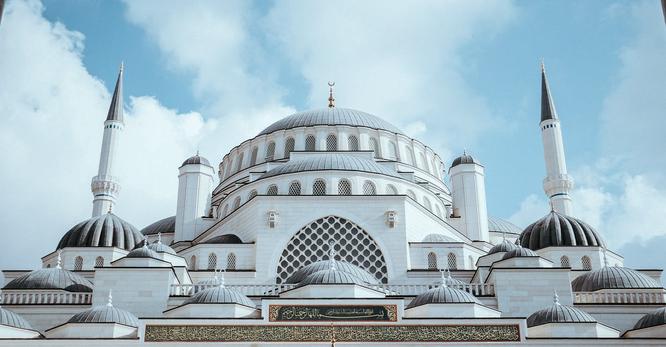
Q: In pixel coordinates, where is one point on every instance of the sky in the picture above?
(457, 75)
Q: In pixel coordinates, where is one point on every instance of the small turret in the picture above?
(195, 183)
(468, 190)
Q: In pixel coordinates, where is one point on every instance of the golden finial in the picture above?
(331, 99)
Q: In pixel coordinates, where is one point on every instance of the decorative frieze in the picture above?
(313, 313)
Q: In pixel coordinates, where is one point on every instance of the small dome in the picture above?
(142, 252)
(499, 225)
(224, 239)
(558, 313)
(332, 162)
(107, 230)
(105, 314)
(519, 252)
(219, 295)
(51, 278)
(556, 229)
(652, 319)
(613, 277)
(159, 247)
(196, 160)
(444, 295)
(12, 319)
(331, 276)
(437, 238)
(164, 226)
(352, 269)
(464, 159)
(504, 246)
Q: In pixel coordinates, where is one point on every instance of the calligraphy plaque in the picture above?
(313, 313)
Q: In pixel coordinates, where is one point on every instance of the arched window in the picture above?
(319, 187)
(289, 146)
(229, 165)
(295, 188)
(212, 261)
(427, 204)
(225, 210)
(48, 266)
(99, 262)
(564, 261)
(237, 202)
(252, 194)
(439, 211)
(331, 142)
(424, 162)
(239, 163)
(391, 190)
(411, 194)
(272, 190)
(409, 157)
(78, 263)
(453, 262)
(374, 147)
(587, 263)
(253, 157)
(393, 151)
(193, 262)
(270, 151)
(432, 261)
(231, 261)
(344, 187)
(352, 142)
(310, 143)
(369, 188)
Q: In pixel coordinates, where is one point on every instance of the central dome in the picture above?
(331, 116)
(331, 161)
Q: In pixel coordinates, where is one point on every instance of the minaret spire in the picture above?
(116, 107)
(547, 104)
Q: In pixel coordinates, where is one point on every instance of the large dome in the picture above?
(219, 295)
(107, 230)
(331, 161)
(331, 116)
(654, 318)
(51, 278)
(164, 226)
(559, 230)
(613, 277)
(499, 225)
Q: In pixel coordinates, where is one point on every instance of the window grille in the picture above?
(344, 187)
(352, 142)
(231, 261)
(310, 143)
(369, 188)
(427, 204)
(252, 194)
(391, 190)
(564, 261)
(453, 262)
(587, 263)
(432, 261)
(289, 146)
(331, 143)
(272, 190)
(212, 261)
(374, 147)
(237, 202)
(270, 151)
(295, 188)
(99, 262)
(239, 164)
(319, 187)
(253, 157)
(311, 244)
(78, 263)
(193, 262)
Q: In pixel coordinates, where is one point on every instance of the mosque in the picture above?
(332, 227)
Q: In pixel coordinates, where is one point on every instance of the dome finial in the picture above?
(331, 255)
(443, 274)
(556, 298)
(603, 249)
(159, 238)
(331, 99)
(221, 279)
(110, 300)
(110, 208)
(59, 264)
(145, 243)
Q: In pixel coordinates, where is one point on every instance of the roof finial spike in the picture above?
(443, 274)
(605, 257)
(464, 150)
(547, 105)
(556, 298)
(110, 302)
(552, 207)
(221, 278)
(159, 238)
(122, 65)
(331, 255)
(116, 107)
(59, 263)
(331, 99)
(543, 66)
(145, 243)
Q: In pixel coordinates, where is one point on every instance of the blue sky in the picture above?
(454, 74)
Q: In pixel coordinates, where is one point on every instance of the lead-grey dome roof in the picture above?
(331, 276)
(159, 247)
(12, 319)
(556, 229)
(519, 252)
(652, 319)
(444, 295)
(464, 159)
(613, 277)
(105, 314)
(331, 116)
(352, 269)
(331, 161)
(558, 313)
(196, 160)
(224, 239)
(51, 278)
(504, 246)
(219, 295)
(164, 226)
(107, 230)
(142, 252)
(500, 225)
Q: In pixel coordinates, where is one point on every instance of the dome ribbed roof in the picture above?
(219, 295)
(51, 278)
(224, 239)
(352, 269)
(331, 161)
(504, 246)
(558, 313)
(464, 159)
(613, 277)
(196, 160)
(164, 226)
(519, 252)
(444, 295)
(105, 314)
(437, 238)
(331, 276)
(142, 252)
(159, 247)
(500, 225)
(12, 319)
(559, 230)
(331, 116)
(652, 319)
(107, 230)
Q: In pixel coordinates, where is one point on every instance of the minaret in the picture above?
(195, 183)
(557, 184)
(468, 190)
(105, 186)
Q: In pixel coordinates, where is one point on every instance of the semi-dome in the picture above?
(332, 161)
(219, 295)
(464, 159)
(499, 225)
(107, 230)
(613, 277)
(51, 278)
(196, 160)
(519, 252)
(444, 295)
(142, 252)
(105, 314)
(331, 116)
(558, 313)
(331, 276)
(224, 239)
(12, 319)
(504, 246)
(652, 319)
(352, 269)
(556, 229)
(438, 238)
(163, 226)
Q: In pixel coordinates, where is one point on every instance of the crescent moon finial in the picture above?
(331, 84)
(331, 99)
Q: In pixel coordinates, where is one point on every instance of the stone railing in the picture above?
(475, 289)
(40, 297)
(619, 298)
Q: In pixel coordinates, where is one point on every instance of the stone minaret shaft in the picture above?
(557, 184)
(105, 186)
